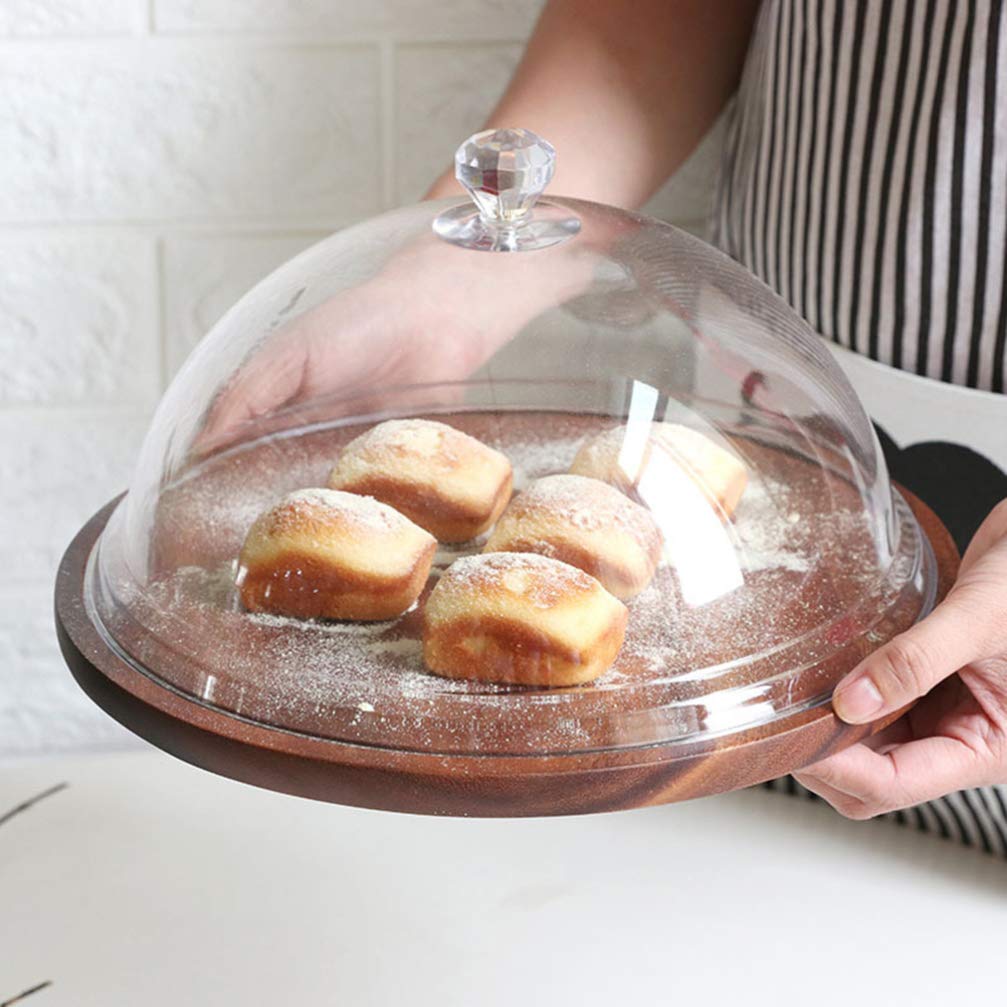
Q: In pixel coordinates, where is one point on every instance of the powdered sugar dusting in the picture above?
(540, 580)
(588, 504)
(424, 437)
(768, 532)
(534, 457)
(363, 511)
(391, 443)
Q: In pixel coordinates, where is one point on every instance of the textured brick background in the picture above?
(158, 157)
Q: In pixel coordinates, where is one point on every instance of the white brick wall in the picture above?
(73, 18)
(158, 157)
(79, 312)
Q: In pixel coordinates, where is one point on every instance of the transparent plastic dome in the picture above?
(544, 330)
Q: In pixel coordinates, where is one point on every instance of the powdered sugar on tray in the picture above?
(766, 536)
(364, 630)
(534, 457)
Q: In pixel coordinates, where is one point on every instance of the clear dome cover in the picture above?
(578, 341)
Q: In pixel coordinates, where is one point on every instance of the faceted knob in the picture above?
(505, 171)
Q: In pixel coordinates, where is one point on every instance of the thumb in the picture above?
(911, 664)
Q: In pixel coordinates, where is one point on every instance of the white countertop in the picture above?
(147, 882)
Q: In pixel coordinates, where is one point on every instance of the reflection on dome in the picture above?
(697, 544)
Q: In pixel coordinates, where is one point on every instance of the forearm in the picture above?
(624, 91)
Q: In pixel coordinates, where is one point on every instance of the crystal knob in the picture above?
(505, 171)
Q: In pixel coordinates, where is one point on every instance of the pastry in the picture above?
(521, 618)
(639, 465)
(586, 523)
(324, 554)
(447, 482)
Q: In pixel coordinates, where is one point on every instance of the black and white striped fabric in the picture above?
(865, 179)
(972, 817)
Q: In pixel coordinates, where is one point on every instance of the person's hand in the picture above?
(433, 315)
(955, 737)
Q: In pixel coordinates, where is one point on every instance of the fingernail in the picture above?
(857, 702)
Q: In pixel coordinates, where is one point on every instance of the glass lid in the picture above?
(509, 476)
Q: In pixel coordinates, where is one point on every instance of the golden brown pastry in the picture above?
(447, 482)
(521, 618)
(586, 523)
(324, 554)
(616, 457)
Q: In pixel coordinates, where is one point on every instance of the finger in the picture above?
(845, 804)
(835, 774)
(268, 381)
(898, 732)
(991, 533)
(911, 664)
(903, 776)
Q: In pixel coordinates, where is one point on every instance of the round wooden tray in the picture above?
(433, 783)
